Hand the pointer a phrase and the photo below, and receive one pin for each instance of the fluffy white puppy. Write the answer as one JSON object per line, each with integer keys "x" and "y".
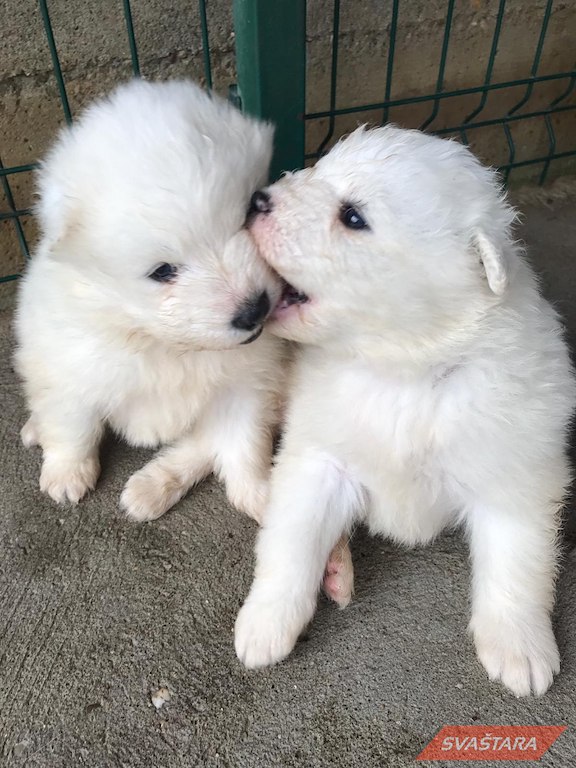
{"x": 433, "y": 388}
{"x": 144, "y": 301}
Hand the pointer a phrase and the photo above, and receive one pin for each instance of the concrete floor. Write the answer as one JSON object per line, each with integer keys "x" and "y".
{"x": 97, "y": 613}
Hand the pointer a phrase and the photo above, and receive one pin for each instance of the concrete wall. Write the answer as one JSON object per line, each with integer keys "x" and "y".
{"x": 93, "y": 46}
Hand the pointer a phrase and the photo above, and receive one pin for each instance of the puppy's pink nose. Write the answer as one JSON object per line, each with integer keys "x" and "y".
{"x": 260, "y": 203}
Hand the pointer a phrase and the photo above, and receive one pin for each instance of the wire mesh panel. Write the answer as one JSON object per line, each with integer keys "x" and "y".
{"x": 499, "y": 75}
{"x": 73, "y": 57}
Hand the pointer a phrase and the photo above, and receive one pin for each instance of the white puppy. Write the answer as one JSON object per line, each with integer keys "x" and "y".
{"x": 140, "y": 302}
{"x": 433, "y": 388}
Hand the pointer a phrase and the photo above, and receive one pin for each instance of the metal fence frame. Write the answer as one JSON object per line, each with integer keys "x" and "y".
{"x": 271, "y": 70}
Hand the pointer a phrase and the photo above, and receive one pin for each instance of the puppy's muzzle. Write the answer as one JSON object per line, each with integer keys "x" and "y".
{"x": 252, "y": 312}
{"x": 260, "y": 202}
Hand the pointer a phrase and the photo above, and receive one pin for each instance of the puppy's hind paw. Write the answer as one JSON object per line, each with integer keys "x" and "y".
{"x": 525, "y": 659}
{"x": 64, "y": 480}
{"x": 266, "y": 632}
{"x": 338, "y": 582}
{"x": 150, "y": 493}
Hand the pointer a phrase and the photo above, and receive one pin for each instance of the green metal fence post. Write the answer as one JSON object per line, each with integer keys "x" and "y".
{"x": 271, "y": 66}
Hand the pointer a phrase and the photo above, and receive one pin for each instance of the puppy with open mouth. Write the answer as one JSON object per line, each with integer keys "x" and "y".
{"x": 433, "y": 388}
{"x": 144, "y": 304}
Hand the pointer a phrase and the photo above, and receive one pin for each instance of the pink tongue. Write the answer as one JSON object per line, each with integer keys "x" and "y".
{"x": 280, "y": 308}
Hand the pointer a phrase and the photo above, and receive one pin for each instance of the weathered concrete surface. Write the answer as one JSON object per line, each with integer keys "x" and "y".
{"x": 96, "y": 613}
{"x": 92, "y": 41}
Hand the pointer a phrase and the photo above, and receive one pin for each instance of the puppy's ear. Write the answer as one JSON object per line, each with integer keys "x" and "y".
{"x": 63, "y": 236}
{"x": 67, "y": 245}
{"x": 59, "y": 213}
{"x": 494, "y": 262}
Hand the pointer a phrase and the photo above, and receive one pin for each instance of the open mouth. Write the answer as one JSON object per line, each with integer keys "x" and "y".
{"x": 253, "y": 337}
{"x": 290, "y": 297}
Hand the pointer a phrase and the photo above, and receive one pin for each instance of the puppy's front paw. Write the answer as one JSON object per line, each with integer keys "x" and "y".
{"x": 29, "y": 434}
{"x": 524, "y": 657}
{"x": 150, "y": 492}
{"x": 250, "y": 497}
{"x": 266, "y": 632}
{"x": 64, "y": 480}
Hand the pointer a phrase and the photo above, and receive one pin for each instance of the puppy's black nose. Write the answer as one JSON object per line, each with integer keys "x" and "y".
{"x": 252, "y": 312}
{"x": 260, "y": 203}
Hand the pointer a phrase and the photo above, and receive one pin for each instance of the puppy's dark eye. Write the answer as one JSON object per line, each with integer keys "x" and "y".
{"x": 351, "y": 219}
{"x": 164, "y": 273}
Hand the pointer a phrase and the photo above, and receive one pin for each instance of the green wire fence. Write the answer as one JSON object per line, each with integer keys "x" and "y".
{"x": 272, "y": 40}
{"x": 470, "y": 121}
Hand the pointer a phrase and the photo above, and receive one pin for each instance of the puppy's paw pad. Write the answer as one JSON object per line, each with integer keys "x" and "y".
{"x": 65, "y": 481}
{"x": 265, "y": 634}
{"x": 29, "y": 434}
{"x": 251, "y": 498}
{"x": 525, "y": 662}
{"x": 150, "y": 493}
{"x": 338, "y": 582}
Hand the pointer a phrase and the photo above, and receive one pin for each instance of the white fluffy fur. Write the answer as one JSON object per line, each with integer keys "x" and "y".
{"x": 433, "y": 388}
{"x": 155, "y": 173}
